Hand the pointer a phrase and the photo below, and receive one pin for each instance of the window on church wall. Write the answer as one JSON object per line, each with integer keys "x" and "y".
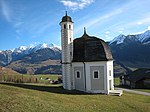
{"x": 78, "y": 74}
{"x": 95, "y": 74}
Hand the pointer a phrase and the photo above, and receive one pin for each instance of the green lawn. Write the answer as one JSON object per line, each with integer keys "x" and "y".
{"x": 43, "y": 80}
{"x": 143, "y": 90}
{"x": 28, "y": 78}
{"x": 52, "y": 98}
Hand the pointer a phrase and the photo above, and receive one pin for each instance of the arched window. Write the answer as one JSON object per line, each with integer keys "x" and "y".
{"x": 78, "y": 74}
{"x": 69, "y": 26}
{"x": 64, "y": 26}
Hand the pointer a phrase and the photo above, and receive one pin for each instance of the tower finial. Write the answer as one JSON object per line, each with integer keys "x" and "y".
{"x": 66, "y": 13}
{"x": 84, "y": 30}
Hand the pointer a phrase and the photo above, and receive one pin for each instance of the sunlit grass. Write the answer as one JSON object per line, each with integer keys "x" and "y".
{"x": 53, "y": 98}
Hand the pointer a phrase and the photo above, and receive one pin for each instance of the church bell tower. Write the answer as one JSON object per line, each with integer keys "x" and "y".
{"x": 67, "y": 50}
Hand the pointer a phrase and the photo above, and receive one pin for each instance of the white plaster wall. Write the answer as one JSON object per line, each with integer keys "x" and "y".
{"x": 110, "y": 67}
{"x": 75, "y": 64}
{"x": 88, "y": 78}
{"x": 88, "y": 64}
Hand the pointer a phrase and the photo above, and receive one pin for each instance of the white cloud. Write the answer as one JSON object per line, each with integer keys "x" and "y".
{"x": 5, "y": 10}
{"x": 107, "y": 32}
{"x": 148, "y": 28}
{"x": 121, "y": 30}
{"x": 139, "y": 23}
{"x": 97, "y": 20}
{"x": 78, "y": 4}
{"x": 107, "y": 37}
{"x": 146, "y": 20}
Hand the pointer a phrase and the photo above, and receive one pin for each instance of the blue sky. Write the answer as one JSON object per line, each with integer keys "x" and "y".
{"x": 27, "y": 22}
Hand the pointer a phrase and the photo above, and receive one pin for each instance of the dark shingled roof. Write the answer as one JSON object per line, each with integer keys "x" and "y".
{"x": 90, "y": 48}
{"x": 138, "y": 75}
{"x": 66, "y": 18}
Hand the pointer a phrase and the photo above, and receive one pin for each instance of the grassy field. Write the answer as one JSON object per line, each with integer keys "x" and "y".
{"x": 52, "y": 98}
{"x": 143, "y": 90}
{"x": 25, "y": 78}
{"x": 44, "y": 77}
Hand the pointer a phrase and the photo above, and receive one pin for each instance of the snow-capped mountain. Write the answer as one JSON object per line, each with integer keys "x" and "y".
{"x": 34, "y": 48}
{"x": 8, "y": 56}
{"x": 143, "y": 38}
{"x": 119, "y": 39}
{"x": 132, "y": 50}
{"x": 44, "y": 45}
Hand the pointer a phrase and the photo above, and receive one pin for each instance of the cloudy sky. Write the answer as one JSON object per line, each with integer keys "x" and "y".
{"x": 28, "y": 22}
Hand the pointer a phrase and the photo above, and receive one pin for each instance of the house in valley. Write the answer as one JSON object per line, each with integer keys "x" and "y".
{"x": 137, "y": 79}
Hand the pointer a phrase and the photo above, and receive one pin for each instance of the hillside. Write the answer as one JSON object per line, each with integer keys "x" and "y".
{"x": 41, "y": 67}
{"x": 7, "y": 71}
{"x": 48, "y": 98}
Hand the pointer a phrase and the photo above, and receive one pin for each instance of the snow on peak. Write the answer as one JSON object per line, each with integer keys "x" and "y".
{"x": 119, "y": 39}
{"x": 20, "y": 49}
{"x": 54, "y": 45}
{"x": 27, "y": 49}
{"x": 144, "y": 36}
{"x": 44, "y": 45}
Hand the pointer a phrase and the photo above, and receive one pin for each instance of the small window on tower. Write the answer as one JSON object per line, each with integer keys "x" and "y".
{"x": 70, "y": 39}
{"x": 69, "y": 26}
{"x": 109, "y": 72}
{"x": 64, "y": 26}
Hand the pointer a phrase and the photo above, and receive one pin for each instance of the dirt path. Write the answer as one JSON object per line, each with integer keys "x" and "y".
{"x": 133, "y": 91}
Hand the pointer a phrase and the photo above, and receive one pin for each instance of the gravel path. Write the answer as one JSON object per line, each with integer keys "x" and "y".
{"x": 133, "y": 91}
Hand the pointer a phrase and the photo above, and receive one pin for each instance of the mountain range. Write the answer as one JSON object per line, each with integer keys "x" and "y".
{"x": 128, "y": 51}
{"x": 42, "y": 58}
{"x": 8, "y": 56}
{"x": 132, "y": 50}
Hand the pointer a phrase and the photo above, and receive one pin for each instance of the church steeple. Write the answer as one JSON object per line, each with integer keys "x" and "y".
{"x": 67, "y": 50}
{"x": 84, "y": 30}
{"x": 66, "y": 13}
{"x": 85, "y": 35}
{"x": 66, "y": 18}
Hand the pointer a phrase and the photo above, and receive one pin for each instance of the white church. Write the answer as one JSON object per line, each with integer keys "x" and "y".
{"x": 87, "y": 63}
